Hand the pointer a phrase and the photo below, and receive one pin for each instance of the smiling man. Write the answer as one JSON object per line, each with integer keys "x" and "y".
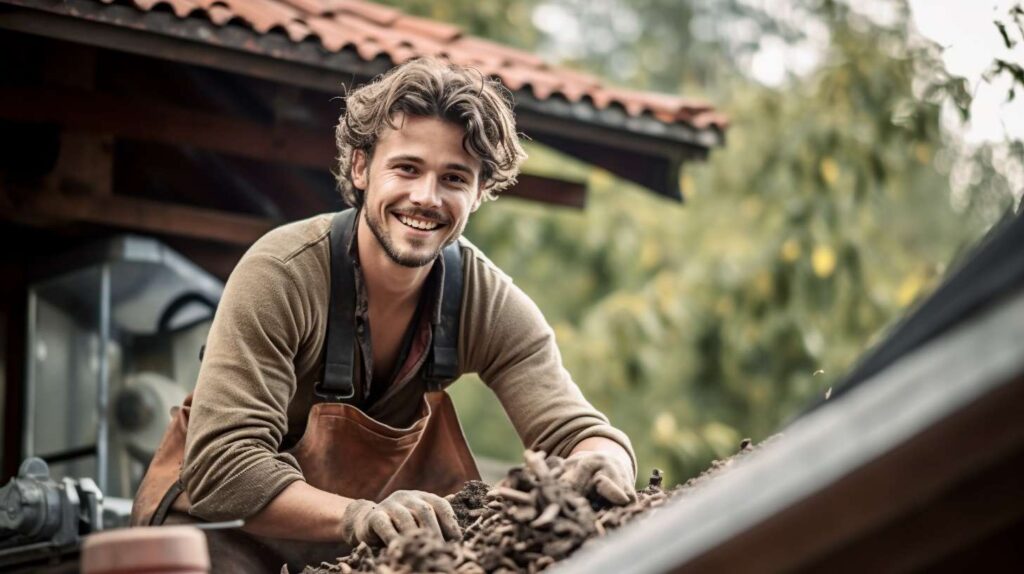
{"x": 320, "y": 415}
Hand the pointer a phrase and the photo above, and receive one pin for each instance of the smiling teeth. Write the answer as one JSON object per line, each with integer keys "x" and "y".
{"x": 418, "y": 224}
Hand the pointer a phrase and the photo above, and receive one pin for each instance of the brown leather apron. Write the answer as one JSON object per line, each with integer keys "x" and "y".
{"x": 343, "y": 451}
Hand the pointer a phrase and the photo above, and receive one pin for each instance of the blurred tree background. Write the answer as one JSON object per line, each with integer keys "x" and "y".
{"x": 837, "y": 202}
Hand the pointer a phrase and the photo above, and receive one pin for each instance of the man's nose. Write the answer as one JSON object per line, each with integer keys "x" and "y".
{"x": 425, "y": 193}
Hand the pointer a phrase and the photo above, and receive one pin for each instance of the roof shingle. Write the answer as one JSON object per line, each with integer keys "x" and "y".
{"x": 374, "y": 30}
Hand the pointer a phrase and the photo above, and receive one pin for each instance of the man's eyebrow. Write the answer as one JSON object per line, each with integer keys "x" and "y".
{"x": 408, "y": 158}
{"x": 460, "y": 167}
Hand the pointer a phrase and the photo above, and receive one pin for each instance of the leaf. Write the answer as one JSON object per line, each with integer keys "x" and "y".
{"x": 823, "y": 261}
{"x": 1006, "y": 36}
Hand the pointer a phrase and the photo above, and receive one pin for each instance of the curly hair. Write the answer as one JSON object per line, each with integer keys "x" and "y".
{"x": 431, "y": 88}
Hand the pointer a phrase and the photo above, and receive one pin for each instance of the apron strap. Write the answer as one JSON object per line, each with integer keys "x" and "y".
{"x": 339, "y": 362}
{"x": 162, "y": 509}
{"x": 443, "y": 364}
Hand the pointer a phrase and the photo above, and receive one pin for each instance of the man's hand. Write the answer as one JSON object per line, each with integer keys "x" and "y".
{"x": 400, "y": 513}
{"x": 609, "y": 475}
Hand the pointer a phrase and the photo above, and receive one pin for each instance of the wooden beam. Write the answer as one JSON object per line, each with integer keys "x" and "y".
{"x": 549, "y": 190}
{"x": 145, "y": 216}
{"x": 193, "y": 41}
{"x": 136, "y": 119}
{"x": 85, "y": 163}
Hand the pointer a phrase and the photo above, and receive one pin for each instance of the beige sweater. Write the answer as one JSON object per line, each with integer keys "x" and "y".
{"x": 265, "y": 353}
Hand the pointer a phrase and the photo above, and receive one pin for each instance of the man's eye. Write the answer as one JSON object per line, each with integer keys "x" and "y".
{"x": 405, "y": 168}
{"x": 456, "y": 179}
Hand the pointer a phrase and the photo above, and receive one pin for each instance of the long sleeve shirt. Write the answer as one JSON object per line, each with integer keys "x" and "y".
{"x": 265, "y": 353}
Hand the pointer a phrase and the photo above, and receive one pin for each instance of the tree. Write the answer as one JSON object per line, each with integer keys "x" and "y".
{"x": 826, "y": 216}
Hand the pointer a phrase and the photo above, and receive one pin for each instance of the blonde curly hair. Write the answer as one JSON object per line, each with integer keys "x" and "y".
{"x": 431, "y": 88}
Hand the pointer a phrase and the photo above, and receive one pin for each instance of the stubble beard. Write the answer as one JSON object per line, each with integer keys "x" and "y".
{"x": 411, "y": 260}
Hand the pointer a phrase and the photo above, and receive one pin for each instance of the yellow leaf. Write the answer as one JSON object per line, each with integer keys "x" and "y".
{"x": 923, "y": 153}
{"x": 686, "y": 186}
{"x": 600, "y": 178}
{"x": 829, "y": 171}
{"x": 763, "y": 284}
{"x": 823, "y": 261}
{"x": 721, "y": 438}
{"x": 909, "y": 289}
{"x": 790, "y": 250}
{"x": 650, "y": 254}
{"x": 664, "y": 430}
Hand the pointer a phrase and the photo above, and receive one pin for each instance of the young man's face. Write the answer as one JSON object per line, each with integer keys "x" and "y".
{"x": 420, "y": 187}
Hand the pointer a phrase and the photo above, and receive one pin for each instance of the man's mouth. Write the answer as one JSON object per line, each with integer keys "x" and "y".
{"x": 418, "y": 223}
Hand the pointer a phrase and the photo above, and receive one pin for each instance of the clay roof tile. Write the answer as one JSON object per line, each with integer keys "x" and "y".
{"x": 374, "y": 30}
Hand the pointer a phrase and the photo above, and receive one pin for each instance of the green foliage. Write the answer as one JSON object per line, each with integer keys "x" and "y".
{"x": 826, "y": 216}
{"x": 503, "y": 21}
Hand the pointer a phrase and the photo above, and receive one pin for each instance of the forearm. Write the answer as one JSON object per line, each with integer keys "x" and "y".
{"x": 607, "y": 446}
{"x": 301, "y": 512}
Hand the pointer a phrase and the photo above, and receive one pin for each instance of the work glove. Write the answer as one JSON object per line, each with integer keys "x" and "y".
{"x": 595, "y": 472}
{"x": 377, "y": 524}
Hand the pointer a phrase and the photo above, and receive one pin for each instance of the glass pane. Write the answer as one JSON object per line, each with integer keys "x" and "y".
{"x": 65, "y": 369}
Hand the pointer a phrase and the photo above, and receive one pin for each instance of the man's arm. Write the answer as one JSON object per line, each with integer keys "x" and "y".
{"x": 312, "y": 514}
{"x": 232, "y": 466}
{"x": 507, "y": 341}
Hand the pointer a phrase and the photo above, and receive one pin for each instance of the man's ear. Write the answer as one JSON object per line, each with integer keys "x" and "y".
{"x": 360, "y": 165}
{"x": 479, "y": 198}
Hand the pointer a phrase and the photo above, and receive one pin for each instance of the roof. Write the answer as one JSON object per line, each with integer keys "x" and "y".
{"x": 373, "y": 30}
{"x": 320, "y": 46}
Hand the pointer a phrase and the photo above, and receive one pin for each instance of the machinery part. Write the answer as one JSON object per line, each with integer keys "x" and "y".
{"x": 38, "y": 513}
{"x": 141, "y": 410}
{"x": 30, "y": 505}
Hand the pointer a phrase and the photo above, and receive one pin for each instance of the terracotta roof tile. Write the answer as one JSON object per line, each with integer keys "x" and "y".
{"x": 438, "y": 31}
{"x": 374, "y": 30}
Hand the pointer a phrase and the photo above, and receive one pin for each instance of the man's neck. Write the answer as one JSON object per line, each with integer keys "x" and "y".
{"x": 389, "y": 286}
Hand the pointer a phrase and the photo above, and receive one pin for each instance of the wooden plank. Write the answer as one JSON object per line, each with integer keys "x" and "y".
{"x": 85, "y": 163}
{"x": 147, "y": 216}
{"x": 959, "y": 519}
{"x": 135, "y": 119}
{"x": 549, "y": 190}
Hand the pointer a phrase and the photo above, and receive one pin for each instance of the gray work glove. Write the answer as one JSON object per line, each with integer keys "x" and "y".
{"x": 377, "y": 524}
{"x": 609, "y": 476}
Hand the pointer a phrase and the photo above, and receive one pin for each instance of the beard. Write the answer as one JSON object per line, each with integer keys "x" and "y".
{"x": 414, "y": 259}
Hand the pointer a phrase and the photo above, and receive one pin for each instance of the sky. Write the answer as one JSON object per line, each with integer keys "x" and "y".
{"x": 970, "y": 42}
{"x": 965, "y": 29}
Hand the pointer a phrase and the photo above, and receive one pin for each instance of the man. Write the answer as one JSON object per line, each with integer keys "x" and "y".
{"x": 319, "y": 414}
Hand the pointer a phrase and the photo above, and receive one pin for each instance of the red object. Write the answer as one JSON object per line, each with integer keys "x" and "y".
{"x": 167, "y": 549}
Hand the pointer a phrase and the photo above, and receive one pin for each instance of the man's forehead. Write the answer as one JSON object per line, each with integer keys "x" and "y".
{"x": 426, "y": 138}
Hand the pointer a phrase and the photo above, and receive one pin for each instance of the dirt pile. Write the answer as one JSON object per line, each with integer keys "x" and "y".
{"x": 528, "y": 522}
